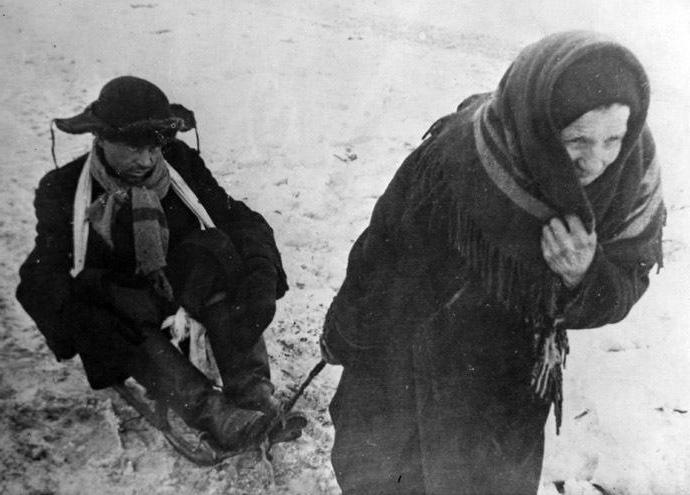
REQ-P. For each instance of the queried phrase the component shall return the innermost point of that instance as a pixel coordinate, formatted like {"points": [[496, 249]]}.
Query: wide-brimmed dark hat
{"points": [[131, 110]]}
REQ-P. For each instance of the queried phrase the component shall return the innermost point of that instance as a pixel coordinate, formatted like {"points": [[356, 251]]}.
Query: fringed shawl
{"points": [[518, 176]]}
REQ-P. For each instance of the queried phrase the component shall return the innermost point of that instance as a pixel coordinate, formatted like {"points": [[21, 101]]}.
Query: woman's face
{"points": [[594, 140], [131, 163]]}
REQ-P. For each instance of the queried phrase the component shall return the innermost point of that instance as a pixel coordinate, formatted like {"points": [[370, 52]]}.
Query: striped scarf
{"points": [[149, 224]]}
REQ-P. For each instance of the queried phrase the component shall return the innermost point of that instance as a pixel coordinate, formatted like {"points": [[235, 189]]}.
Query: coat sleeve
{"points": [[382, 278], [606, 294], [619, 273], [250, 233], [61, 306], [45, 281]]}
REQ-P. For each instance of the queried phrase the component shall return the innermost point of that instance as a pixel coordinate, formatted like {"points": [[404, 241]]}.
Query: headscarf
{"points": [[596, 80]]}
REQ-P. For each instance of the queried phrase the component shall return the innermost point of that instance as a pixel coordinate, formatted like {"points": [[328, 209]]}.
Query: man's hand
{"points": [[568, 249], [160, 285]]}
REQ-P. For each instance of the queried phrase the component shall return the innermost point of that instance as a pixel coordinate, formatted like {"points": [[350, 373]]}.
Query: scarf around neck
{"points": [[82, 201], [149, 224], [518, 176]]}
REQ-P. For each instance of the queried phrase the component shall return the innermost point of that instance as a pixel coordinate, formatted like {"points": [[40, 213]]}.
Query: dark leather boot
{"points": [[169, 377], [246, 375]]}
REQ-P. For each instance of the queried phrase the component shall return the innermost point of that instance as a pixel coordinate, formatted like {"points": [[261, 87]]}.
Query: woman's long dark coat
{"points": [[47, 290], [435, 396]]}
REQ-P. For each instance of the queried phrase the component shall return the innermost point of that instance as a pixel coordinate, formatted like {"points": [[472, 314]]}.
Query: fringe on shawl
{"points": [[533, 296], [533, 293]]}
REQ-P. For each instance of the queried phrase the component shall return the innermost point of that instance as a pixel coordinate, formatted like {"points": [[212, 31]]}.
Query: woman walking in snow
{"points": [[531, 210]]}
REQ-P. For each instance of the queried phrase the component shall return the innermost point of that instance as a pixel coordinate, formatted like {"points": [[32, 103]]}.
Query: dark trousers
{"points": [[202, 266]]}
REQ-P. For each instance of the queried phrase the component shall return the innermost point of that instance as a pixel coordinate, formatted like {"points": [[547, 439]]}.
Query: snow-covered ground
{"points": [[306, 109]]}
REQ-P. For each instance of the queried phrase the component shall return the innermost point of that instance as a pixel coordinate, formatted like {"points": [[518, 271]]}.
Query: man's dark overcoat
{"points": [[72, 325]]}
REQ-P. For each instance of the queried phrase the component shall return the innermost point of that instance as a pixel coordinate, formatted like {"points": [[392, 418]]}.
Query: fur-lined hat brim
{"points": [[182, 120]]}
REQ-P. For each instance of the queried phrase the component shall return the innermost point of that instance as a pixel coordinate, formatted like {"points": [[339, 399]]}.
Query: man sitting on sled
{"points": [[131, 232]]}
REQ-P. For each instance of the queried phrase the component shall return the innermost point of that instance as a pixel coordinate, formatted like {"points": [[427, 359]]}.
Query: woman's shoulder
{"points": [[439, 164], [448, 145], [462, 116]]}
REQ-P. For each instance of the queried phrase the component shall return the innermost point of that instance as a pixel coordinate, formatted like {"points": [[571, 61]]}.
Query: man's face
{"points": [[131, 163], [594, 140]]}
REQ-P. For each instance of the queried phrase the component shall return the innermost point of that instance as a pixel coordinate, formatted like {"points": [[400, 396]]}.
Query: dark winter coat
{"points": [[52, 296], [435, 394]]}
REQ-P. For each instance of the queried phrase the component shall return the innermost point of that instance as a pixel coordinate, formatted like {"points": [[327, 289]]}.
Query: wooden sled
{"points": [[285, 427]]}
